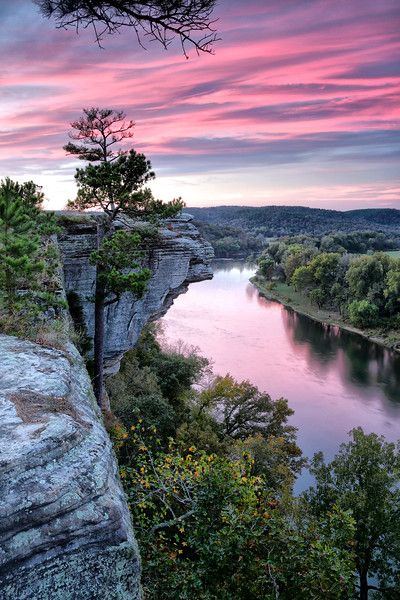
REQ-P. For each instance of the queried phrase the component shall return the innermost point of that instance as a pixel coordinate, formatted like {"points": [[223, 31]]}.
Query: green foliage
{"points": [[116, 183], [266, 266], [29, 274], [295, 256], [392, 289], [366, 277], [210, 530], [155, 385], [363, 289], [364, 478], [115, 256], [244, 410], [114, 186], [230, 242], [363, 313]]}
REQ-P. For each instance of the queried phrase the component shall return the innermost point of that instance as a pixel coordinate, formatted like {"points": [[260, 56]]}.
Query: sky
{"points": [[299, 104]]}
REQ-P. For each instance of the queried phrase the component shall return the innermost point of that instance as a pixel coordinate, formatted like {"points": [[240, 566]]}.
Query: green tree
{"points": [[366, 277], [363, 313], [392, 287], [266, 266], [115, 185], [364, 478], [156, 20], [325, 270], [296, 256], [244, 418], [155, 384], [209, 529], [19, 244], [245, 410], [302, 278]]}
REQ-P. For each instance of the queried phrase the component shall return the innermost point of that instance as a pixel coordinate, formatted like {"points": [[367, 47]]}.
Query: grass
{"points": [[393, 253]]}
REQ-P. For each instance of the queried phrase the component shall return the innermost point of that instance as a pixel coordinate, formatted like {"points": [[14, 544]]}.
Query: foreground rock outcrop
{"points": [[65, 530], [179, 256]]}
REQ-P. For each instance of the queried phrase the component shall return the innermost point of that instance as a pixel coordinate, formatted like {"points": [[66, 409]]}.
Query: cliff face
{"points": [[177, 258], [65, 530]]}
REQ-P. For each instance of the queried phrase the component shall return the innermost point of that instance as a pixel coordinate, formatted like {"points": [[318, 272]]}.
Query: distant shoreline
{"points": [[326, 317]]}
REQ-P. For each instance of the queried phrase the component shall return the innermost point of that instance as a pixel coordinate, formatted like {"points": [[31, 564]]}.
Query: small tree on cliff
{"points": [[116, 185]]}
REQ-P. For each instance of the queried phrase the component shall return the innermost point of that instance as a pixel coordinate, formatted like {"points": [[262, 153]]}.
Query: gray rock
{"points": [[179, 257], [65, 530]]}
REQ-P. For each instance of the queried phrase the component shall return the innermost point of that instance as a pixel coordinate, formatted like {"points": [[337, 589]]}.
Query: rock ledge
{"points": [[65, 530]]}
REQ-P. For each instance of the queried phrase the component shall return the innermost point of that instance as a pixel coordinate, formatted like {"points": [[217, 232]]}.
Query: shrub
{"points": [[363, 313]]}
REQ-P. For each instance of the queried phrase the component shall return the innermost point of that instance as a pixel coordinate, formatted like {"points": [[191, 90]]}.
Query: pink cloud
{"points": [[282, 71]]}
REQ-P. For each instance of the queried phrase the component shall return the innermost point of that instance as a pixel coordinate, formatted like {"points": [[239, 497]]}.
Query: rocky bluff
{"points": [[176, 258], [65, 531]]}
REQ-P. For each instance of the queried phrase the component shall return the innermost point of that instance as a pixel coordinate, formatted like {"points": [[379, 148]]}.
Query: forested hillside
{"points": [[272, 221]]}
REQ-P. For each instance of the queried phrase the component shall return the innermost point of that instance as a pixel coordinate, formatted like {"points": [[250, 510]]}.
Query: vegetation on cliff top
{"points": [[31, 294]]}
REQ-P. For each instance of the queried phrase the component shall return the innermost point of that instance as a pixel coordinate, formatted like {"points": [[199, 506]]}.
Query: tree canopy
{"points": [[97, 130], [364, 478]]}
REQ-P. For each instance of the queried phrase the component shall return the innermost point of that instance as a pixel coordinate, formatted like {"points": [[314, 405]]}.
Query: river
{"points": [[334, 380]]}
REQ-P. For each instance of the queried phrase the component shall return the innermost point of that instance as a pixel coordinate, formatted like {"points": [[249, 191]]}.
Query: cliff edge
{"points": [[179, 256], [65, 528]]}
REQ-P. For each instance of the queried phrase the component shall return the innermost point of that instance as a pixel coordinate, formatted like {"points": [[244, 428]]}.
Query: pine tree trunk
{"points": [[363, 585], [99, 331]]}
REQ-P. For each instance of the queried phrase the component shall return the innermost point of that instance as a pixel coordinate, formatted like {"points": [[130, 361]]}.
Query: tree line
{"points": [[365, 288]]}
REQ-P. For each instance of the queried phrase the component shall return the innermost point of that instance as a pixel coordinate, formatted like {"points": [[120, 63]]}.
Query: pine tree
{"points": [[19, 244], [116, 185]]}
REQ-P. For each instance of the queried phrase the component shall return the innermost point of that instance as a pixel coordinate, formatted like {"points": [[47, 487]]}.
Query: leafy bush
{"points": [[363, 313]]}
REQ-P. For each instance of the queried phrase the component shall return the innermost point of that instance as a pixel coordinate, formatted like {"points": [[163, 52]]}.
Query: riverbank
{"points": [[288, 296]]}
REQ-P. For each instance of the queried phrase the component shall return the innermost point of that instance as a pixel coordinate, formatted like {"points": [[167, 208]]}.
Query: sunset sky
{"points": [[299, 104]]}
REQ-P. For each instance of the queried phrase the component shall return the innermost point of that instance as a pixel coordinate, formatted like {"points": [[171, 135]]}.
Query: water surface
{"points": [[334, 380]]}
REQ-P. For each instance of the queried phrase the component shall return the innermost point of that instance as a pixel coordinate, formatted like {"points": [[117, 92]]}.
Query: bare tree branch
{"points": [[154, 20]]}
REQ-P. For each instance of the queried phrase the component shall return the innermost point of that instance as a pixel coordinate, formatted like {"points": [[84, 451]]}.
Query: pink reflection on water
{"points": [[334, 381]]}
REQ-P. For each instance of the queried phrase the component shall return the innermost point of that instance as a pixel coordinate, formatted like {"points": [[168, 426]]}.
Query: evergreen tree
{"points": [[115, 185], [19, 242]]}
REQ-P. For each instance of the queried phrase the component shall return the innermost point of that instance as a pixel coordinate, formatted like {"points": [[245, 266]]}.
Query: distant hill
{"points": [[272, 221]]}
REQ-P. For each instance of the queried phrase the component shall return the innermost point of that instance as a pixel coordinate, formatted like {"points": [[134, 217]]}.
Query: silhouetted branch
{"points": [[156, 20]]}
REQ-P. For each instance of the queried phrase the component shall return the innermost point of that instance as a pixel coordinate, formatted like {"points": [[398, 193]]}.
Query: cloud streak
{"points": [[306, 85]]}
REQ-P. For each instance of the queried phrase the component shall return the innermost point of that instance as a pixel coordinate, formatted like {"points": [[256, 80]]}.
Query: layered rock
{"points": [[65, 530], [178, 257]]}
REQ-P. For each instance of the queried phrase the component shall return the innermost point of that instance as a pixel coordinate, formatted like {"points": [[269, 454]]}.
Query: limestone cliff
{"points": [[178, 257], [65, 530]]}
